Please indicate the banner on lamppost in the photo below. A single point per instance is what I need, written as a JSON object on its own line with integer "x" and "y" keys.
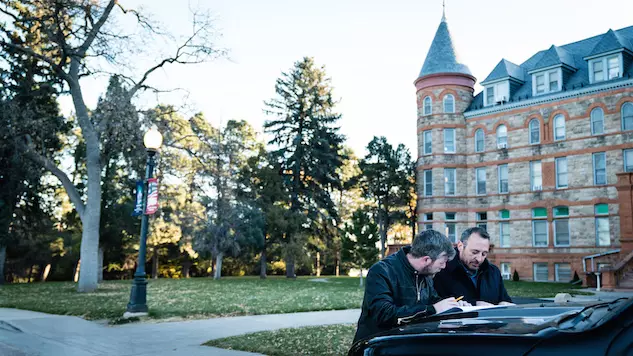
{"x": 152, "y": 196}
{"x": 138, "y": 204}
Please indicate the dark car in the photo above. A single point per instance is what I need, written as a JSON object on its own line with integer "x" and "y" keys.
{"x": 598, "y": 328}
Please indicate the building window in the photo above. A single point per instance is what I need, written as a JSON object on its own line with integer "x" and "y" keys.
{"x": 559, "y": 127}
{"x": 561, "y": 226}
{"x": 627, "y": 116}
{"x": 540, "y": 235}
{"x": 535, "y": 131}
{"x": 428, "y": 105}
{"x": 541, "y": 272}
{"x": 450, "y": 227}
{"x": 490, "y": 95}
{"x": 536, "y": 177}
{"x": 628, "y": 160}
{"x": 504, "y": 228}
{"x": 480, "y": 173}
{"x": 506, "y": 272}
{"x": 503, "y": 178}
{"x": 479, "y": 140}
{"x": 561, "y": 173}
{"x": 428, "y": 219}
{"x": 502, "y": 136}
{"x": 562, "y": 272}
{"x": 449, "y": 104}
{"x": 553, "y": 81}
{"x": 449, "y": 181}
{"x": 597, "y": 121}
{"x": 428, "y": 182}
{"x": 598, "y": 71}
{"x": 613, "y": 67}
{"x": 540, "y": 83}
{"x": 482, "y": 220}
{"x": 428, "y": 142}
{"x": 603, "y": 237}
{"x": 449, "y": 140}
{"x": 599, "y": 168}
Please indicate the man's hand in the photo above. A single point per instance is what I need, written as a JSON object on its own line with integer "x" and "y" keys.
{"x": 481, "y": 303}
{"x": 506, "y": 303}
{"x": 445, "y": 304}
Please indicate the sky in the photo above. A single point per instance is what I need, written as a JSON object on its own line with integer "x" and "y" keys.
{"x": 372, "y": 50}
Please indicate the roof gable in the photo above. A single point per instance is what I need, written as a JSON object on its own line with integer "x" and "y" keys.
{"x": 610, "y": 41}
{"x": 555, "y": 56}
{"x": 505, "y": 69}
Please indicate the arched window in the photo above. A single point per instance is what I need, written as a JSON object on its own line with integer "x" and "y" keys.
{"x": 627, "y": 116}
{"x": 559, "y": 127}
{"x": 449, "y": 104}
{"x": 502, "y": 136}
{"x": 597, "y": 121}
{"x": 479, "y": 140}
{"x": 428, "y": 104}
{"x": 535, "y": 131}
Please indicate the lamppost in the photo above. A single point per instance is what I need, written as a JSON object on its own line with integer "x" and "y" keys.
{"x": 137, "y": 305}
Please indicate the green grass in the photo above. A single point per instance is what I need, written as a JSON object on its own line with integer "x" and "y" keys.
{"x": 204, "y": 297}
{"x": 329, "y": 340}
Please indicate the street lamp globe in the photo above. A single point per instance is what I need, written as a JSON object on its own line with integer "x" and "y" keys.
{"x": 153, "y": 139}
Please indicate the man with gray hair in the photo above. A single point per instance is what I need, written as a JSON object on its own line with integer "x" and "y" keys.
{"x": 471, "y": 275}
{"x": 401, "y": 285}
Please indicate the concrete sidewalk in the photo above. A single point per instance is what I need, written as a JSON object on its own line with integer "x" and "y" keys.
{"x": 26, "y": 333}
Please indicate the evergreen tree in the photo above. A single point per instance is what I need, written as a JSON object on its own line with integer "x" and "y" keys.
{"x": 307, "y": 144}
{"x": 359, "y": 241}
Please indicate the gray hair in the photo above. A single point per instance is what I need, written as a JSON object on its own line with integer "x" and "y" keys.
{"x": 474, "y": 230}
{"x": 432, "y": 243}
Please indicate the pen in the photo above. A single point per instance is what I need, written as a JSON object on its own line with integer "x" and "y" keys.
{"x": 460, "y": 298}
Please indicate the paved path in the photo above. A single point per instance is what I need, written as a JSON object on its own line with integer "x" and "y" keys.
{"x": 26, "y": 333}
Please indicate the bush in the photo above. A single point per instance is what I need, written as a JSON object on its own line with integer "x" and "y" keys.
{"x": 576, "y": 278}
{"x": 515, "y": 276}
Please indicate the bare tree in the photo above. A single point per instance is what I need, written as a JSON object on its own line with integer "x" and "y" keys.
{"x": 78, "y": 39}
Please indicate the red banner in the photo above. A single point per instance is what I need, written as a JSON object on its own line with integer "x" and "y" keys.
{"x": 152, "y": 196}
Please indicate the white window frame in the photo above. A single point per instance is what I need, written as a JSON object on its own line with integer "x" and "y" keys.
{"x": 446, "y": 148}
{"x": 534, "y": 221}
{"x": 483, "y": 140}
{"x": 477, "y": 182}
{"x": 592, "y": 121}
{"x": 538, "y": 126}
{"x": 625, "y": 161}
{"x": 557, "y": 266}
{"x": 628, "y": 104}
{"x": 604, "y": 60}
{"x": 430, "y": 106}
{"x": 506, "y": 270}
{"x": 451, "y": 109}
{"x": 430, "y": 134}
{"x": 595, "y": 171}
{"x": 533, "y": 176}
{"x": 426, "y": 183}
{"x": 499, "y": 137}
{"x": 487, "y": 96}
{"x": 556, "y": 221}
{"x": 534, "y": 274}
{"x": 560, "y": 118}
{"x": 536, "y": 82}
{"x": 558, "y": 185}
{"x": 602, "y": 217}
{"x": 502, "y": 230}
{"x": 499, "y": 180}
{"x": 549, "y": 76}
{"x": 446, "y": 181}
{"x": 447, "y": 231}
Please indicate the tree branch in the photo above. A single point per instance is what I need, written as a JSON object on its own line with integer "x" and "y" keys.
{"x": 41, "y": 57}
{"x": 95, "y": 30}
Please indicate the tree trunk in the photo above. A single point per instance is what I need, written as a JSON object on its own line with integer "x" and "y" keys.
{"x": 218, "y": 266}
{"x": 290, "y": 267}
{"x": 155, "y": 263}
{"x": 100, "y": 266}
{"x": 45, "y": 272}
{"x": 30, "y": 274}
{"x": 77, "y": 269}
{"x": 318, "y": 264}
{"x": 338, "y": 262}
{"x": 212, "y": 268}
{"x": 383, "y": 239}
{"x": 3, "y": 258}
{"x": 89, "y": 253}
{"x": 186, "y": 267}
{"x": 262, "y": 264}
{"x": 361, "y": 278}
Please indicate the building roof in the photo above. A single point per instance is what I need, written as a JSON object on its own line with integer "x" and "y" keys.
{"x": 572, "y": 55}
{"x": 506, "y": 69}
{"x": 442, "y": 56}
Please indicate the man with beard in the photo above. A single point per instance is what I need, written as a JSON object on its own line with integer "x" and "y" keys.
{"x": 401, "y": 285}
{"x": 471, "y": 275}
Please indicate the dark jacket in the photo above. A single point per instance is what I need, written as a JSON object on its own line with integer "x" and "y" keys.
{"x": 394, "y": 290}
{"x": 453, "y": 281}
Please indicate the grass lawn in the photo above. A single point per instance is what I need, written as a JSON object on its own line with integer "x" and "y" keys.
{"x": 329, "y": 340}
{"x": 204, "y": 297}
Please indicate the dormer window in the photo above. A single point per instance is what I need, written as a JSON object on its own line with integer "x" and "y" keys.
{"x": 490, "y": 95}
{"x": 547, "y": 81}
{"x": 605, "y": 68}
{"x": 497, "y": 93}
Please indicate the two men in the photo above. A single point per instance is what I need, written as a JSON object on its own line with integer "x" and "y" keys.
{"x": 402, "y": 284}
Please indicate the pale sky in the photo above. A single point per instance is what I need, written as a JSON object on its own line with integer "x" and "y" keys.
{"x": 373, "y": 51}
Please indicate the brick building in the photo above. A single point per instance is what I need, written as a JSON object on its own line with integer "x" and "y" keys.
{"x": 539, "y": 157}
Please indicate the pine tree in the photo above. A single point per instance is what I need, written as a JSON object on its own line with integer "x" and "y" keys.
{"x": 308, "y": 146}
